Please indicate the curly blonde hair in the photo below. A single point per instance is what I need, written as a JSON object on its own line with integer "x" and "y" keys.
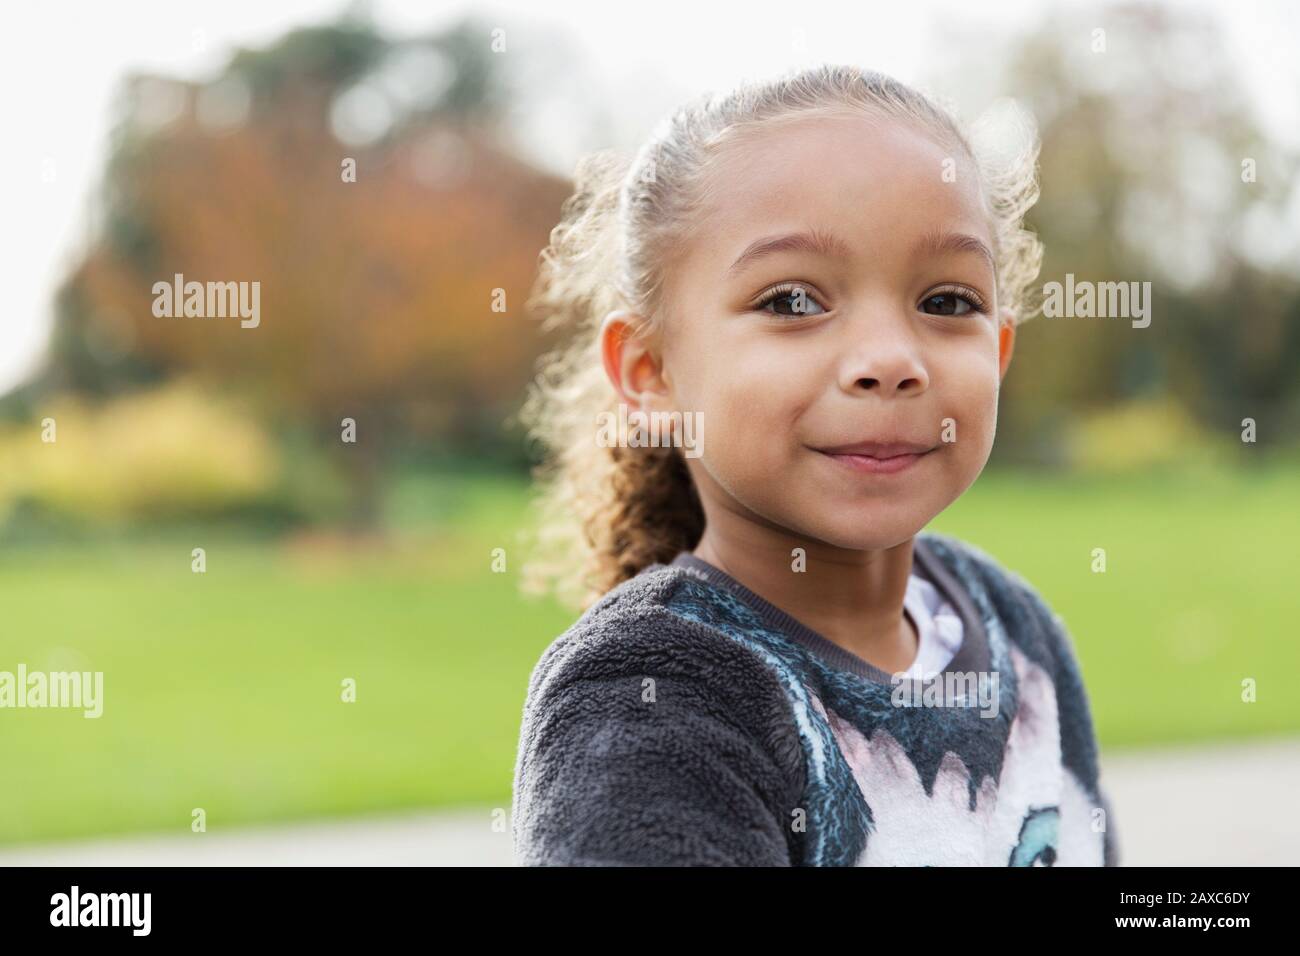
{"x": 608, "y": 512}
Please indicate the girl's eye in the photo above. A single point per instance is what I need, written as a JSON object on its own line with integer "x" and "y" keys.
{"x": 793, "y": 301}
{"x": 951, "y": 302}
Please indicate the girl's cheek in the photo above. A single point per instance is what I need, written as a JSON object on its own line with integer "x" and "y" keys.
{"x": 741, "y": 417}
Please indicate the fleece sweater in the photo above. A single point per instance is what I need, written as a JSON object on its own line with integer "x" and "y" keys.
{"x": 685, "y": 720}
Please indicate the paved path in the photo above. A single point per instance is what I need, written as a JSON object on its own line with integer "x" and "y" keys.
{"x": 1222, "y": 805}
{"x": 1227, "y": 805}
{"x": 461, "y": 838}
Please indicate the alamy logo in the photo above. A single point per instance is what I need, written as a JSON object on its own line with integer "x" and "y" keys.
{"x": 102, "y": 909}
{"x": 639, "y": 429}
{"x": 1101, "y": 300}
{"x": 84, "y": 689}
{"x": 952, "y": 689}
{"x": 211, "y": 300}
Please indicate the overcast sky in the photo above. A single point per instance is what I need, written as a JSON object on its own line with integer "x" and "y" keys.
{"x": 60, "y": 63}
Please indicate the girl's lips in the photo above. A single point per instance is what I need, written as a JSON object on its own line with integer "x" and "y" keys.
{"x": 877, "y": 466}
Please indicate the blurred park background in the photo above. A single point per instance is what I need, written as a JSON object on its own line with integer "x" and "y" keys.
{"x": 373, "y": 561}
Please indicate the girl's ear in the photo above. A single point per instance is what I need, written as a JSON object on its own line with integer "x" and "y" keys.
{"x": 632, "y": 368}
{"x": 1006, "y": 341}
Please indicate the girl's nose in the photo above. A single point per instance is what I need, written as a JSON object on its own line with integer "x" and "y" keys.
{"x": 883, "y": 357}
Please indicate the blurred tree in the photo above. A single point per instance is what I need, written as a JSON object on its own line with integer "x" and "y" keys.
{"x": 1145, "y": 132}
{"x": 380, "y": 297}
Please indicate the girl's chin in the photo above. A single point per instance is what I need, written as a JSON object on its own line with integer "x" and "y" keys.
{"x": 881, "y": 536}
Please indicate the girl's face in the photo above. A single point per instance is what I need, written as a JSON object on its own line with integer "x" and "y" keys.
{"x": 839, "y": 292}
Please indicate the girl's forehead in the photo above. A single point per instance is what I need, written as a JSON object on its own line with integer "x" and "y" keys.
{"x": 823, "y": 156}
{"x": 851, "y": 175}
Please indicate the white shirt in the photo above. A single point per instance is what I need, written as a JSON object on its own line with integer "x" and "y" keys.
{"x": 937, "y": 625}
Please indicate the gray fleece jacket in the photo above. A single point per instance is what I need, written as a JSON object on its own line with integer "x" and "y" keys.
{"x": 684, "y": 720}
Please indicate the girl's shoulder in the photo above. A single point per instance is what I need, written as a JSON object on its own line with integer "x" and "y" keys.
{"x": 624, "y": 710}
{"x": 635, "y": 630}
{"x": 1005, "y": 594}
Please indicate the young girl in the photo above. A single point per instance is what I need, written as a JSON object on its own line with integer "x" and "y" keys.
{"x": 813, "y": 285}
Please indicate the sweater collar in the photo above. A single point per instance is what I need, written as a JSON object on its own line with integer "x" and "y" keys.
{"x": 973, "y": 655}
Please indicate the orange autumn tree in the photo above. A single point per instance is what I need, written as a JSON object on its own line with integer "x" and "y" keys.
{"x": 381, "y": 264}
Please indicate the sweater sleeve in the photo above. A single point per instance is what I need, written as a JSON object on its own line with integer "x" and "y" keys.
{"x": 1110, "y": 854}
{"x": 641, "y": 753}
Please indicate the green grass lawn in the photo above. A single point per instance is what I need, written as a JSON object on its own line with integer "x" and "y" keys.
{"x": 1199, "y": 592}
{"x": 222, "y": 690}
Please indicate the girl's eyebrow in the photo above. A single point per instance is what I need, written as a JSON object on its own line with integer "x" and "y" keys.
{"x": 937, "y": 243}
{"x": 815, "y": 241}
{"x": 827, "y": 244}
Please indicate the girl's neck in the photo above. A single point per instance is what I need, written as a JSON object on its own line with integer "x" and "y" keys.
{"x": 853, "y": 598}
